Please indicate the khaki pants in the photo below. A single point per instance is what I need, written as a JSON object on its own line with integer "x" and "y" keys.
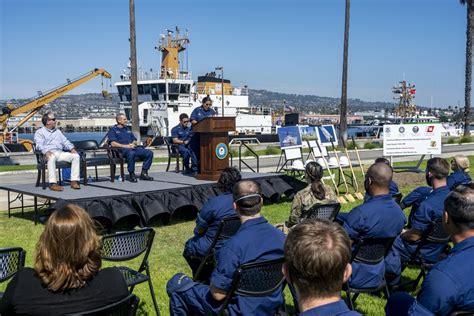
{"x": 74, "y": 159}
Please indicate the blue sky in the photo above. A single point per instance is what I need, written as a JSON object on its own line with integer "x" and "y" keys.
{"x": 279, "y": 45}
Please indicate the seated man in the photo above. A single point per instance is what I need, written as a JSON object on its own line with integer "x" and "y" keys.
{"x": 460, "y": 175}
{"x": 121, "y": 136}
{"x": 317, "y": 263}
{"x": 379, "y": 217}
{"x": 405, "y": 245}
{"x": 181, "y": 135}
{"x": 393, "y": 188}
{"x": 414, "y": 199}
{"x": 256, "y": 240}
{"x": 52, "y": 143}
{"x": 449, "y": 285}
{"x": 207, "y": 221}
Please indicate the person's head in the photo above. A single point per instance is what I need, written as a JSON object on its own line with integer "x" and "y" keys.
{"x": 121, "y": 119}
{"x": 67, "y": 253}
{"x": 383, "y": 160}
{"x": 313, "y": 175}
{"x": 183, "y": 119}
{"x": 317, "y": 259}
{"x": 460, "y": 162}
{"x": 206, "y": 103}
{"x": 228, "y": 178}
{"x": 378, "y": 178}
{"x": 247, "y": 198}
{"x": 436, "y": 172}
{"x": 458, "y": 216}
{"x": 48, "y": 120}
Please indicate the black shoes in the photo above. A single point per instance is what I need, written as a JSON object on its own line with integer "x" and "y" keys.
{"x": 132, "y": 177}
{"x": 144, "y": 176}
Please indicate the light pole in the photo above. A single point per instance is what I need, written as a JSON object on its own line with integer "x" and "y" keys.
{"x": 221, "y": 68}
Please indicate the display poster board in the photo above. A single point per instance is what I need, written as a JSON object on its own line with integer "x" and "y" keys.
{"x": 308, "y": 133}
{"x": 412, "y": 139}
{"x": 327, "y": 133}
{"x": 289, "y": 136}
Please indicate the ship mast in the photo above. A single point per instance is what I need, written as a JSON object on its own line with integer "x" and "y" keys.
{"x": 170, "y": 46}
{"x": 405, "y": 93}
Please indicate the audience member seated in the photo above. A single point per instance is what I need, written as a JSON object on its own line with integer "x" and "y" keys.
{"x": 317, "y": 256}
{"x": 437, "y": 170}
{"x": 66, "y": 277}
{"x": 315, "y": 193}
{"x": 182, "y": 135}
{"x": 414, "y": 199}
{"x": 207, "y": 221}
{"x": 379, "y": 217}
{"x": 393, "y": 188}
{"x": 256, "y": 240}
{"x": 121, "y": 136}
{"x": 449, "y": 285}
{"x": 460, "y": 175}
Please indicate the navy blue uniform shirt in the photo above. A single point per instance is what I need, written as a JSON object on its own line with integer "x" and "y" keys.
{"x": 181, "y": 133}
{"x": 122, "y": 135}
{"x": 379, "y": 217}
{"x": 449, "y": 285}
{"x": 256, "y": 240}
{"x": 331, "y": 309}
{"x": 392, "y": 189}
{"x": 458, "y": 177}
{"x": 199, "y": 113}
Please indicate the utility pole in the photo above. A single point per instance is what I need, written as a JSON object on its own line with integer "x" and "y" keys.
{"x": 343, "y": 118}
{"x": 133, "y": 70}
{"x": 221, "y": 68}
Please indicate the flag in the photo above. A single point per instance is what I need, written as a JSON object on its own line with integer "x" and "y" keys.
{"x": 412, "y": 91}
{"x": 289, "y": 108}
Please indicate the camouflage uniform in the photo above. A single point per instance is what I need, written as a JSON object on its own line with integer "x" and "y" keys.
{"x": 304, "y": 200}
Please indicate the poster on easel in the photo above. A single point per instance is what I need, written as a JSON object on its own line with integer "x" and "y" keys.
{"x": 289, "y": 136}
{"x": 308, "y": 133}
{"x": 327, "y": 133}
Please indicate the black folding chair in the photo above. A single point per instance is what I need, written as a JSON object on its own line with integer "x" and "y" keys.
{"x": 11, "y": 260}
{"x": 125, "y": 307}
{"x": 126, "y": 246}
{"x": 369, "y": 251}
{"x": 93, "y": 156}
{"x": 434, "y": 235}
{"x": 173, "y": 153}
{"x": 255, "y": 279}
{"x": 226, "y": 229}
{"x": 323, "y": 211}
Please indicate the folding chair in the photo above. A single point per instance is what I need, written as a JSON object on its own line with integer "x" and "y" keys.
{"x": 126, "y": 246}
{"x": 125, "y": 307}
{"x": 93, "y": 156}
{"x": 226, "y": 229}
{"x": 369, "y": 251}
{"x": 260, "y": 278}
{"x": 11, "y": 260}
{"x": 323, "y": 211}
{"x": 173, "y": 153}
{"x": 314, "y": 150}
{"x": 291, "y": 154}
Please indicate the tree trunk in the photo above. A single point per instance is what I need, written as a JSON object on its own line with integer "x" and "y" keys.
{"x": 343, "y": 117}
{"x": 467, "y": 88}
{"x": 133, "y": 70}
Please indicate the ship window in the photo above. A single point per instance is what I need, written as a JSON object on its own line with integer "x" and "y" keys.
{"x": 154, "y": 97}
{"x": 146, "y": 89}
{"x": 184, "y": 89}
{"x": 154, "y": 89}
{"x": 173, "y": 97}
{"x": 173, "y": 88}
{"x": 126, "y": 90}
{"x": 144, "y": 98}
{"x": 145, "y": 116}
{"x": 140, "y": 89}
{"x": 120, "y": 90}
{"x": 161, "y": 88}
{"x": 128, "y": 113}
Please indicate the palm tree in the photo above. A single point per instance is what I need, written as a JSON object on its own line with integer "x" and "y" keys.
{"x": 133, "y": 70}
{"x": 468, "y": 71}
{"x": 343, "y": 117}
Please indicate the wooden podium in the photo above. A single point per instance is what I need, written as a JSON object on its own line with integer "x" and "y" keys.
{"x": 214, "y": 145}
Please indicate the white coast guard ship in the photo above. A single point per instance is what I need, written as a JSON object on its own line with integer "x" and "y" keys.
{"x": 163, "y": 96}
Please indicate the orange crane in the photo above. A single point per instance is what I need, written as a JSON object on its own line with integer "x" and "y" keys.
{"x": 37, "y": 103}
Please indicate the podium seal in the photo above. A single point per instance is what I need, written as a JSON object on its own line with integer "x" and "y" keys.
{"x": 221, "y": 151}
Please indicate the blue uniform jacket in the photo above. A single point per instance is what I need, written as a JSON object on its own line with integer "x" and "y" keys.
{"x": 458, "y": 177}
{"x": 199, "y": 113}
{"x": 121, "y": 135}
{"x": 256, "y": 240}
{"x": 338, "y": 308}
{"x": 181, "y": 133}
{"x": 449, "y": 285}
{"x": 379, "y": 217}
{"x": 392, "y": 189}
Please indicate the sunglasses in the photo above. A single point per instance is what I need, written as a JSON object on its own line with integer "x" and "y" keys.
{"x": 208, "y": 104}
{"x": 185, "y": 122}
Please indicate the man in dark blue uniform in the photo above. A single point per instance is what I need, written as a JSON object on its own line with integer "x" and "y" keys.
{"x": 437, "y": 170}
{"x": 379, "y": 217}
{"x": 460, "y": 175}
{"x": 208, "y": 219}
{"x": 205, "y": 110}
{"x": 256, "y": 240}
{"x": 449, "y": 285}
{"x": 393, "y": 188}
{"x": 181, "y": 135}
{"x": 317, "y": 263}
{"x": 121, "y": 136}
{"x": 414, "y": 199}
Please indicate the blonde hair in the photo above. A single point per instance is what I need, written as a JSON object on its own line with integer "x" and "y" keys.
{"x": 462, "y": 162}
{"x": 67, "y": 252}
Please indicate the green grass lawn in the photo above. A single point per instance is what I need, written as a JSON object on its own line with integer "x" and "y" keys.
{"x": 166, "y": 259}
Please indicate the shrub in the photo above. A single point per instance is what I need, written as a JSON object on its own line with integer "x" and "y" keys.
{"x": 350, "y": 145}
{"x": 370, "y": 146}
{"x": 272, "y": 150}
{"x": 247, "y": 153}
{"x": 451, "y": 140}
{"x": 465, "y": 139}
{"x": 234, "y": 153}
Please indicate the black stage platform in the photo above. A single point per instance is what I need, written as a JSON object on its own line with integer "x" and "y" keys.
{"x": 141, "y": 202}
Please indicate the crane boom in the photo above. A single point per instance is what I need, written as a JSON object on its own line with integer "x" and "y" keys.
{"x": 36, "y": 104}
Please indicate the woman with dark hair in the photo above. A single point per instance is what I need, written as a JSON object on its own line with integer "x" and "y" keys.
{"x": 315, "y": 193}
{"x": 207, "y": 221}
{"x": 66, "y": 277}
